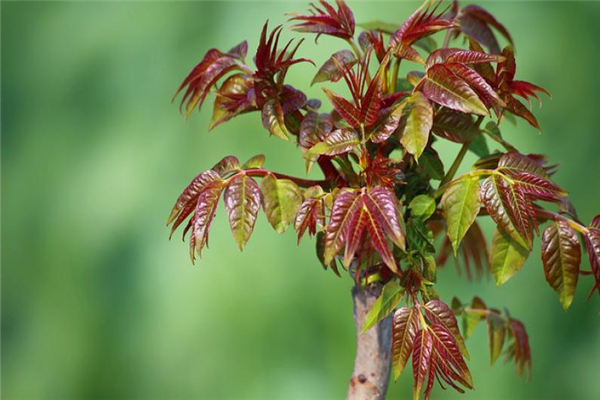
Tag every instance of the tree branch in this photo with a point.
(372, 364)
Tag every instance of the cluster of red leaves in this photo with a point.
(327, 20)
(379, 215)
(429, 333)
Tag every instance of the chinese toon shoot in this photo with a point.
(385, 194)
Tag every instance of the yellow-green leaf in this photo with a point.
(418, 125)
(391, 295)
(460, 205)
(281, 200)
(506, 257)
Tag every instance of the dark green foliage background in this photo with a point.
(97, 304)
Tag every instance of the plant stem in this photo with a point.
(372, 364)
(554, 216)
(456, 164)
(259, 172)
(459, 157)
(395, 70)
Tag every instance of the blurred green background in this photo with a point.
(98, 304)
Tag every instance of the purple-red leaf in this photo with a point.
(242, 202)
(311, 215)
(330, 71)
(493, 196)
(460, 56)
(226, 165)
(208, 199)
(592, 244)
(421, 358)
(423, 22)
(344, 206)
(476, 22)
(561, 255)
(383, 206)
(326, 20)
(442, 86)
(190, 193)
(438, 312)
(405, 327)
(213, 66)
(346, 109)
(235, 96)
(314, 128)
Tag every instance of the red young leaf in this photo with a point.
(326, 20)
(423, 22)
(226, 165)
(491, 194)
(213, 66)
(346, 109)
(421, 358)
(405, 326)
(460, 56)
(379, 242)
(354, 236)
(311, 215)
(335, 237)
(438, 312)
(513, 163)
(518, 208)
(477, 83)
(521, 350)
(383, 206)
(389, 121)
(592, 244)
(448, 358)
(190, 193)
(242, 202)
(208, 199)
(269, 60)
(314, 128)
(446, 88)
(454, 126)
(476, 22)
(330, 71)
(561, 255)
(234, 97)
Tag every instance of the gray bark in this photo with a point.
(372, 364)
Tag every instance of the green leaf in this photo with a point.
(242, 202)
(422, 207)
(432, 165)
(384, 305)
(561, 256)
(496, 335)
(419, 236)
(418, 125)
(460, 205)
(480, 147)
(273, 119)
(506, 256)
(255, 162)
(281, 200)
